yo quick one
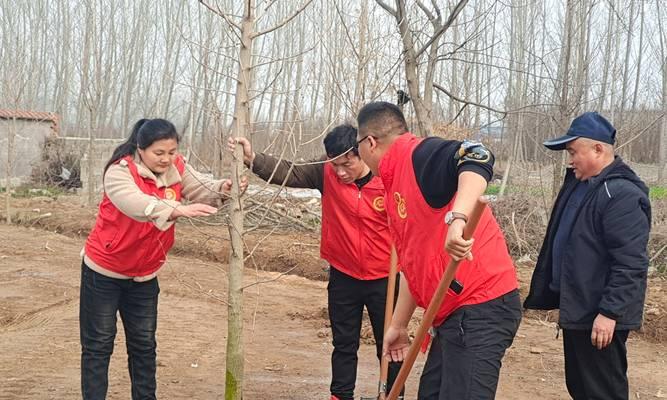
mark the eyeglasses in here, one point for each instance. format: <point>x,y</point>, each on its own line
<point>361,140</point>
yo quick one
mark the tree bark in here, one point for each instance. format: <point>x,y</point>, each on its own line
<point>240,128</point>
<point>662,139</point>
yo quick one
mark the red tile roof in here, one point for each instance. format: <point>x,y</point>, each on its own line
<point>39,116</point>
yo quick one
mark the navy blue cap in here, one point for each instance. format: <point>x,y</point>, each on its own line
<point>588,125</point>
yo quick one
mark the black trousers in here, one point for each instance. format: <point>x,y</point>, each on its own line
<point>466,353</point>
<point>592,374</point>
<point>101,299</point>
<point>347,297</point>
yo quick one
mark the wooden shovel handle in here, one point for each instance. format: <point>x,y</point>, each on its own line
<point>388,313</point>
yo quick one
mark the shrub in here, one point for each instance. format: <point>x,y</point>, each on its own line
<point>57,167</point>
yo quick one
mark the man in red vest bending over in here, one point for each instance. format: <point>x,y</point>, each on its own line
<point>431,187</point>
<point>355,242</point>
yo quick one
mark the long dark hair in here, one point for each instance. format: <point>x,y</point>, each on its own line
<point>144,133</point>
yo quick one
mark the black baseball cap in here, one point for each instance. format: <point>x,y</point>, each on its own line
<point>588,125</point>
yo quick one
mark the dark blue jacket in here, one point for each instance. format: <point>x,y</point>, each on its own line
<point>605,262</point>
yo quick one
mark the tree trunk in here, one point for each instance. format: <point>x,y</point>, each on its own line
<point>620,125</point>
<point>11,136</point>
<point>607,56</point>
<point>639,57</point>
<point>662,140</point>
<point>240,128</point>
<point>362,60</point>
<point>411,74</point>
<point>662,156</point>
<point>581,62</point>
<point>564,79</point>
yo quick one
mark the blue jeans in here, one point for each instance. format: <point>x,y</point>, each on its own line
<point>101,299</point>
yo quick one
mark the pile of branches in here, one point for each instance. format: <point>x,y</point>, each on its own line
<point>57,167</point>
<point>289,213</point>
<point>523,220</point>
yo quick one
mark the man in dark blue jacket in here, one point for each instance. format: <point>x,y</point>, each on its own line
<point>593,262</point>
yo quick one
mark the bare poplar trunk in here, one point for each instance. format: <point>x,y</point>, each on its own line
<point>11,136</point>
<point>662,156</point>
<point>639,57</point>
<point>564,79</point>
<point>240,127</point>
<point>581,61</point>
<point>607,56</point>
<point>411,76</point>
<point>620,125</point>
<point>362,60</point>
<point>662,139</point>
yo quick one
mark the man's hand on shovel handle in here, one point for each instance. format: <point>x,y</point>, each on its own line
<point>458,247</point>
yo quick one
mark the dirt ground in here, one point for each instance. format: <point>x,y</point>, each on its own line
<point>287,338</point>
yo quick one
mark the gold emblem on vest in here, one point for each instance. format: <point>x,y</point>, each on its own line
<point>400,205</point>
<point>169,194</point>
<point>378,204</point>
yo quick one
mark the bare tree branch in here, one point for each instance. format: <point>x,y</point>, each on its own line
<point>452,17</point>
<point>222,14</point>
<point>347,31</point>
<point>632,139</point>
<point>486,107</point>
<point>426,11</point>
<point>437,9</point>
<point>283,22</point>
<point>387,8</point>
<point>450,95</point>
<point>282,59</point>
<point>270,84</point>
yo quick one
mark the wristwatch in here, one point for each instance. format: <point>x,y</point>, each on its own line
<point>452,215</point>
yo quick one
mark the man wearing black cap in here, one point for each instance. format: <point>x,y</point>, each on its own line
<point>593,262</point>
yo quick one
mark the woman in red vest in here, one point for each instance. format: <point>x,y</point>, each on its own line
<point>144,183</point>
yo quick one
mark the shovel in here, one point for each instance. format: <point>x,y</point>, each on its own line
<point>388,313</point>
<point>434,305</point>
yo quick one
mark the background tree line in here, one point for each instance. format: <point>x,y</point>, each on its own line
<point>515,70</point>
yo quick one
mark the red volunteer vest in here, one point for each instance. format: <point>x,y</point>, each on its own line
<point>419,233</point>
<point>127,246</point>
<point>355,232</point>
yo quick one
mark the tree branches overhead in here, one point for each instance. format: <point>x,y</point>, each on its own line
<point>320,60</point>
